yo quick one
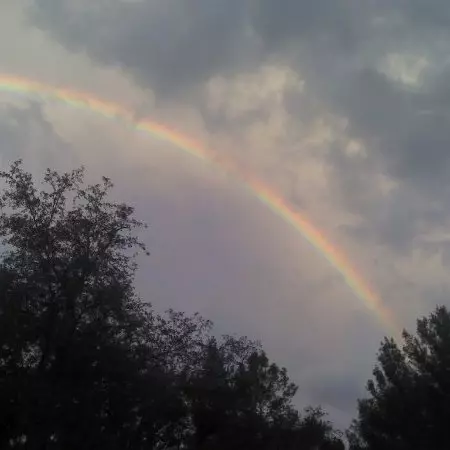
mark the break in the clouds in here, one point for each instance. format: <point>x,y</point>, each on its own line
<point>341,105</point>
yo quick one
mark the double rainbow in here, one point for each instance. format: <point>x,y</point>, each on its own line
<point>262,191</point>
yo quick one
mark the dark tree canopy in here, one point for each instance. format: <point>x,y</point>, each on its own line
<point>409,403</point>
<point>84,363</point>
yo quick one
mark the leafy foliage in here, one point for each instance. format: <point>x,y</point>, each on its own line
<point>409,405</point>
<point>85,363</point>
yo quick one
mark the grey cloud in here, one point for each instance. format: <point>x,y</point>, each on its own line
<point>338,46</point>
<point>435,13</point>
<point>350,24</point>
<point>175,45</point>
<point>338,23</point>
<point>26,133</point>
<point>407,129</point>
<point>167,43</point>
<point>407,135</point>
<point>394,219</point>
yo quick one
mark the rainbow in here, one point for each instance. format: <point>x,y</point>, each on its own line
<point>262,191</point>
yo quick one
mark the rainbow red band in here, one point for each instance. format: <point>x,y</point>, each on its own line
<point>263,192</point>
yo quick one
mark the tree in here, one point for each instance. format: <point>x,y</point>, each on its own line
<point>85,363</point>
<point>239,400</point>
<point>409,403</point>
<point>74,367</point>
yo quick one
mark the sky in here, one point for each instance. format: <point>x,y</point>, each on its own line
<point>341,106</point>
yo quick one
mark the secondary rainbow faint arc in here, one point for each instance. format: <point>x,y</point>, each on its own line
<point>266,194</point>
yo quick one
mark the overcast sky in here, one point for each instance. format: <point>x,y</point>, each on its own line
<point>341,105</point>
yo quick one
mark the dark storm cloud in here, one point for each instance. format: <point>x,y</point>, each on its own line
<point>434,13</point>
<point>335,22</point>
<point>167,43</point>
<point>408,130</point>
<point>351,25</point>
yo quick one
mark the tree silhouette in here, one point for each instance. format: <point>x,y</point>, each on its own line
<point>239,400</point>
<point>71,361</point>
<point>84,363</point>
<point>409,403</point>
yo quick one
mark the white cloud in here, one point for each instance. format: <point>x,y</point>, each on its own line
<point>408,69</point>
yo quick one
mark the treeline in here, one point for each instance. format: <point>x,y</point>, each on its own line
<point>86,364</point>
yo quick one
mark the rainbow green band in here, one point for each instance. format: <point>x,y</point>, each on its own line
<point>266,194</point>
